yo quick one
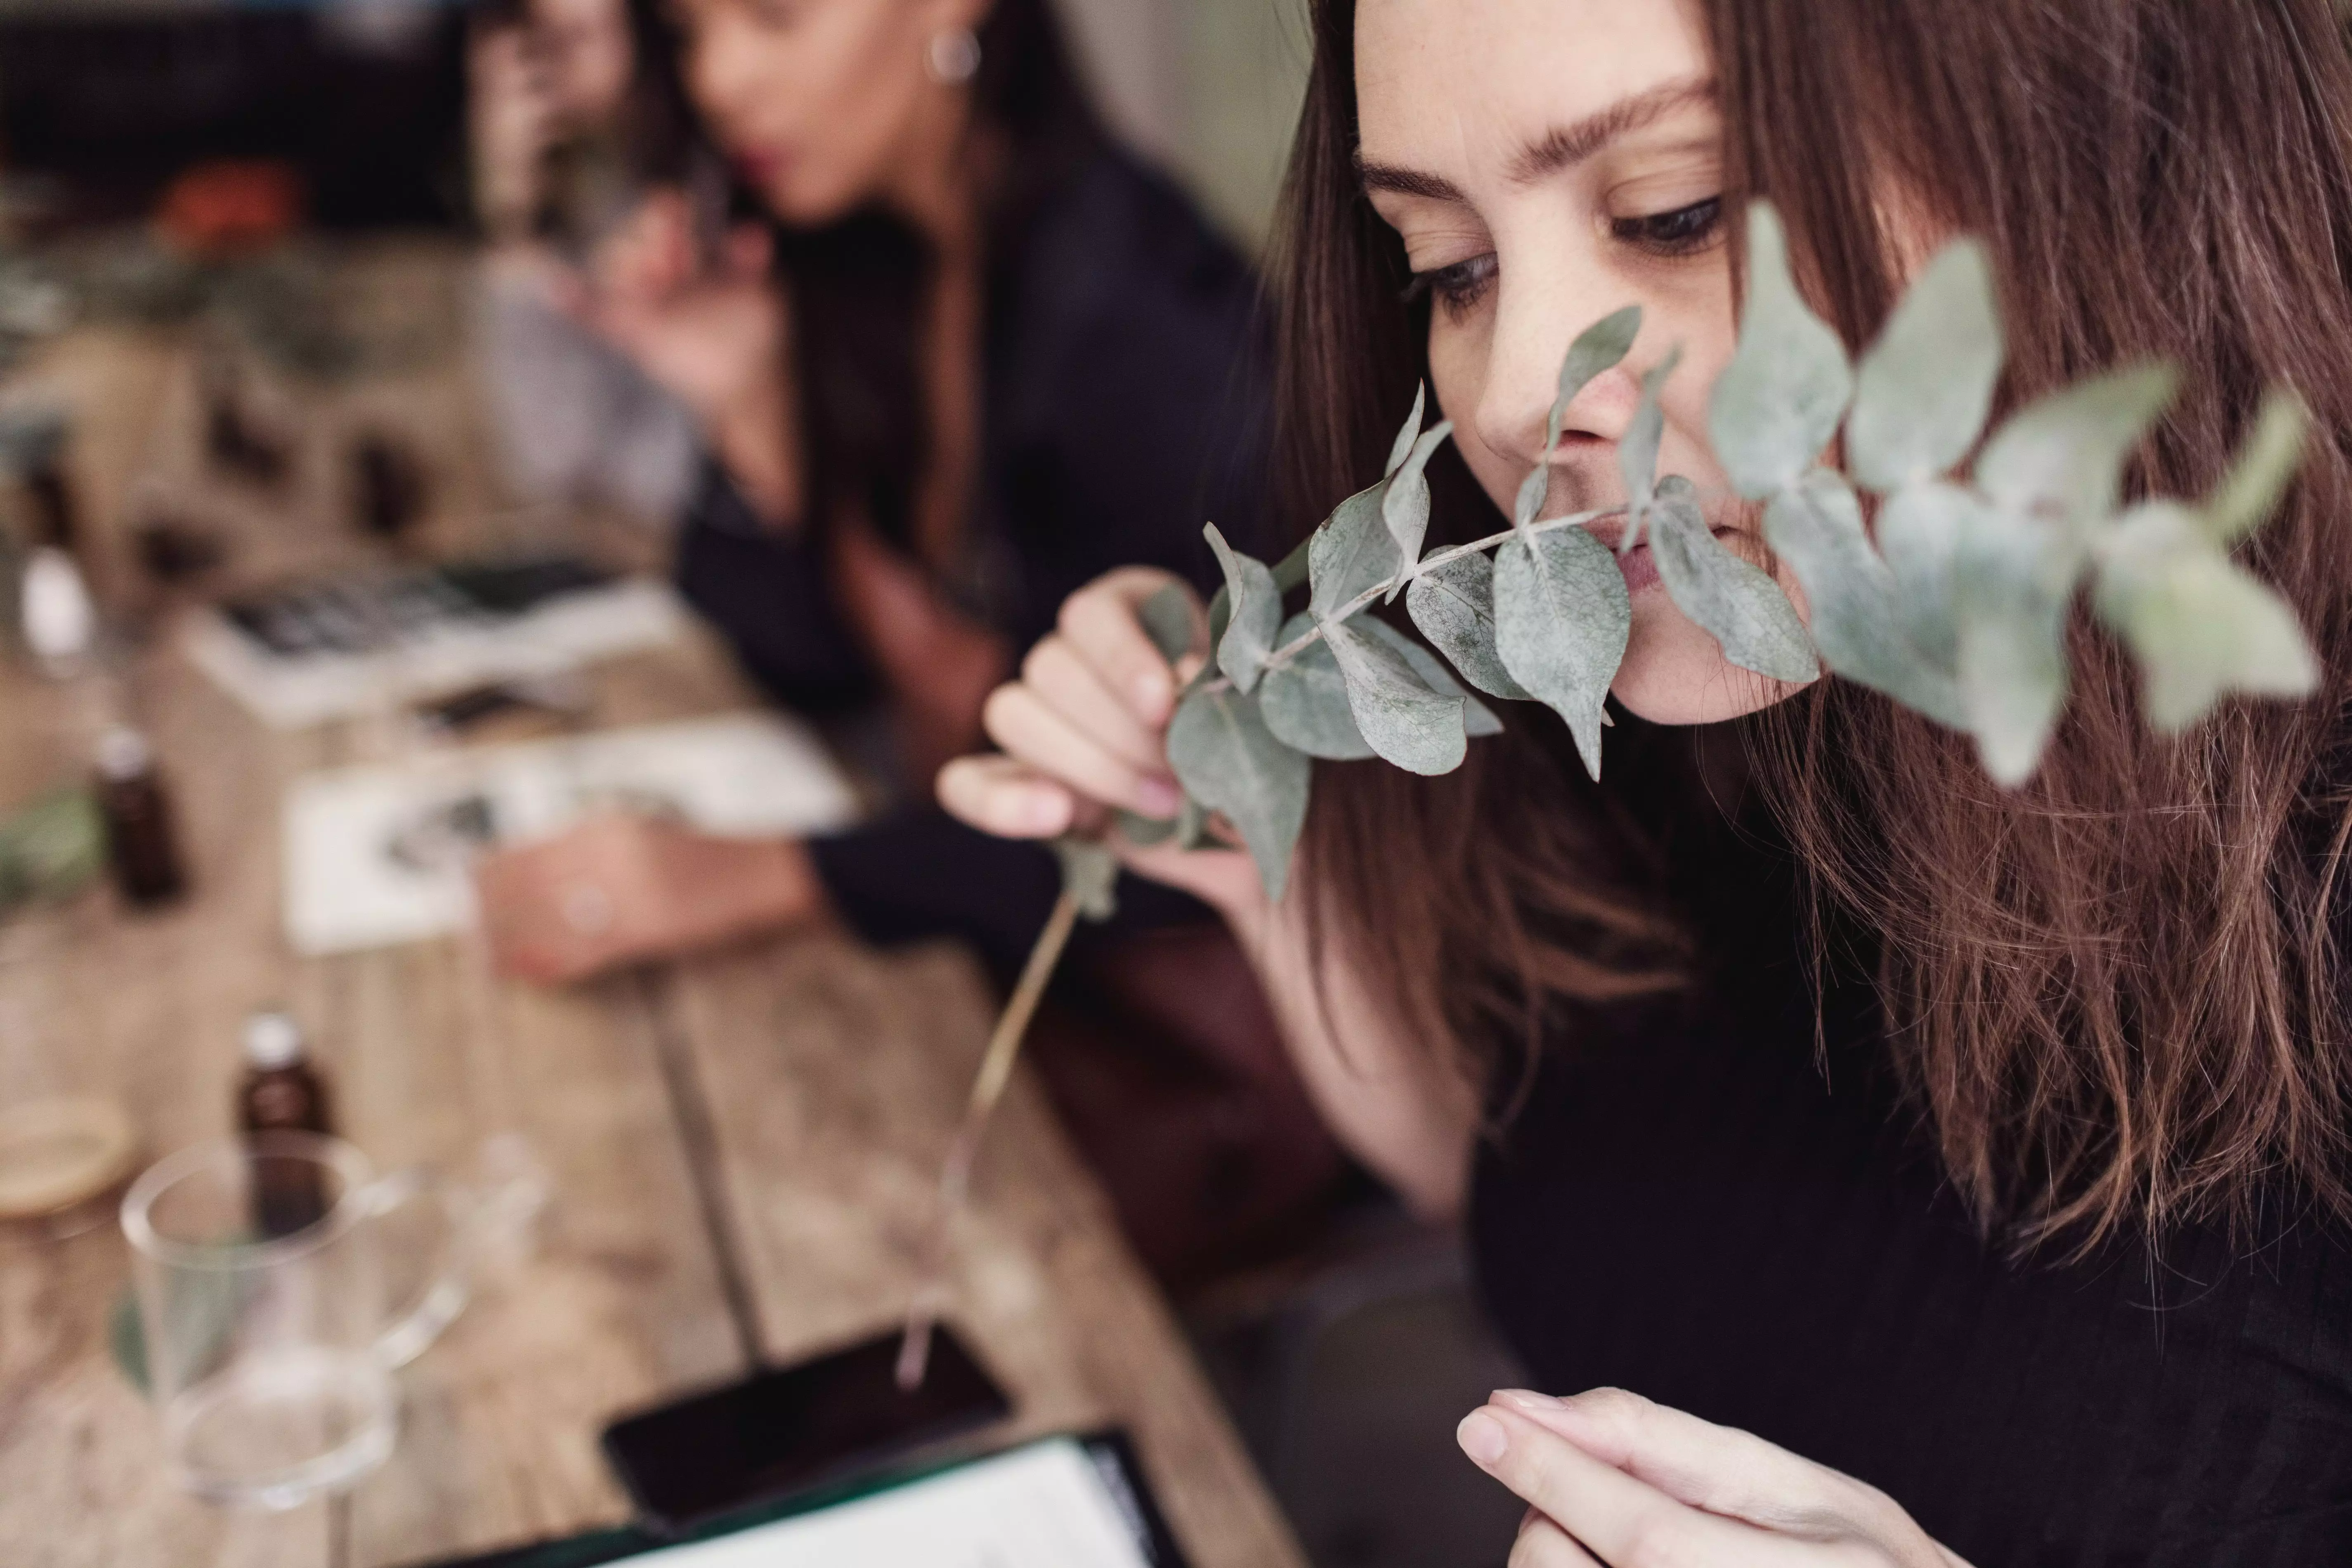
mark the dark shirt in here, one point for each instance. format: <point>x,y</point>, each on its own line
<point>1693,1204</point>
<point>1125,399</point>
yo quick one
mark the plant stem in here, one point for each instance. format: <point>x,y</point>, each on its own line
<point>1371,596</point>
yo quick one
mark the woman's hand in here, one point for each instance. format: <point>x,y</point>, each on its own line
<point>1611,1478</point>
<point>709,330</point>
<point>627,889</point>
<point>1084,732</point>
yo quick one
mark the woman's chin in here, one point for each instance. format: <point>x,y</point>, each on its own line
<point>1675,673</point>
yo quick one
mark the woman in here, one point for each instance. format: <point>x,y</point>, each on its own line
<point>1962,1172</point>
<point>963,356</point>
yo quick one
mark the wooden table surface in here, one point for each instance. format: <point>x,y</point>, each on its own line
<point>742,1147</point>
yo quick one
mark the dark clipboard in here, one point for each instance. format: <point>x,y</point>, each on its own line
<point>1112,1453</point>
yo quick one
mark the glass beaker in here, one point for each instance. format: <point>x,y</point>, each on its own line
<point>63,1146</point>
<point>270,1342</point>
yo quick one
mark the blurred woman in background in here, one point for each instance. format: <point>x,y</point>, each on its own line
<point>961,354</point>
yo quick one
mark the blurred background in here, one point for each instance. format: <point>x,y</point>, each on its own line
<point>312,413</point>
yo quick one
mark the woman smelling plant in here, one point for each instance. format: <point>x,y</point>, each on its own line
<point>1926,1083</point>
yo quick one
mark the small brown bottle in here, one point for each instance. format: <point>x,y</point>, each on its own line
<point>142,845</point>
<point>282,1093</point>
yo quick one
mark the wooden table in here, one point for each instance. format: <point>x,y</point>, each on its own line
<point>742,1148</point>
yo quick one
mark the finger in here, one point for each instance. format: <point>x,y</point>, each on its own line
<point>1007,798</point>
<point>1101,625</point>
<point>1720,1468</point>
<point>1018,721</point>
<point>1620,1519</point>
<point>1543,1544</point>
<point>1069,685</point>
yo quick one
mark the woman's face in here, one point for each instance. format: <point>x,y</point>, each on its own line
<point>824,105</point>
<point>585,46</point>
<point>1548,161</point>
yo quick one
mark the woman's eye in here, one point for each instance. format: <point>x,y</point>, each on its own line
<point>1458,287</point>
<point>1682,232</point>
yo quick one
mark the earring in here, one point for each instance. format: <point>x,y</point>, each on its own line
<point>954,56</point>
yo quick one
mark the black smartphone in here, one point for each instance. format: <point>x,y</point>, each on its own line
<point>795,1428</point>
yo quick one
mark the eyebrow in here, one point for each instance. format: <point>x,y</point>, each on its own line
<point>1562,147</point>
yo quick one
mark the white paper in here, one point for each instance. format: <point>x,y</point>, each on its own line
<point>371,861</point>
<point>1044,1506</point>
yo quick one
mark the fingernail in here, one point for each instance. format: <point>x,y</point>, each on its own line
<point>1483,1439</point>
<point>1158,797</point>
<point>1525,1398</point>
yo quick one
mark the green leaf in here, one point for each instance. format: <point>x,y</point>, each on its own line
<point>1920,533</point>
<point>51,849</point>
<point>1454,606</point>
<point>1855,614</point>
<point>1926,387</point>
<point>1192,826</point>
<point>1145,832</point>
<point>1304,700</point>
<point>2061,456</point>
<point>1601,346</point>
<point>1405,507</point>
<point>1779,401</point>
<point>2265,466</point>
<point>1561,620</point>
<point>1229,761</point>
<point>2013,578</point>
<point>1737,605</point>
<point>1353,554</point>
<point>1402,449</point>
<point>1090,874</point>
<point>1257,614</point>
<point>1168,621</point>
<point>2199,625</point>
<point>1637,453</point>
<point>1532,490</point>
<point>1290,571</point>
<point>1477,719</point>
<point>1399,714</point>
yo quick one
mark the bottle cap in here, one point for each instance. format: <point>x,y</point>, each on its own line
<point>124,753</point>
<point>272,1041</point>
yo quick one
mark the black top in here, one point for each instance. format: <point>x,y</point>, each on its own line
<point>1125,397</point>
<point>1691,1206</point>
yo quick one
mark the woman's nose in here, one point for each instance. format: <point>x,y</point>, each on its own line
<point>720,73</point>
<point>1531,338</point>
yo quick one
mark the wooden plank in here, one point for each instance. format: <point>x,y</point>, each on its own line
<point>833,1077</point>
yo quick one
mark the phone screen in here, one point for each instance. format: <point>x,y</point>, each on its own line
<point>780,1431</point>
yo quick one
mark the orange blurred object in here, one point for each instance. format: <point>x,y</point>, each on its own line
<point>228,208</point>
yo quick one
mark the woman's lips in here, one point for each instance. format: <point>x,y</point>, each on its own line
<point>758,168</point>
<point>1640,567</point>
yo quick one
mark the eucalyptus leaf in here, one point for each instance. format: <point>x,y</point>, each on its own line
<point>1168,622</point>
<point>1855,614</point>
<point>2265,466</point>
<point>1229,761</point>
<point>1255,616</point>
<point>1637,451</point>
<point>1454,606</point>
<point>2013,578</point>
<point>1290,571</point>
<point>1561,620</point>
<point>1736,603</point>
<point>1402,449</point>
<point>1601,347</point>
<point>1353,554</point>
<point>1532,490</point>
<point>1145,832</point>
<point>1923,392</point>
<point>1304,700</point>
<point>1477,719</point>
<point>1405,507</point>
<point>1192,826</point>
<point>1089,874</point>
<point>1920,531</point>
<point>2199,625</point>
<point>1405,721</point>
<point>2061,456</point>
<point>1779,401</point>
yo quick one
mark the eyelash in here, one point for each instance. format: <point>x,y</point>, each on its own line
<point>1685,231</point>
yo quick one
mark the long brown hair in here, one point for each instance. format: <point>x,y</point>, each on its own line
<point>2115,991</point>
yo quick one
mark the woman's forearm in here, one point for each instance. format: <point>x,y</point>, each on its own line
<point>1396,1103</point>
